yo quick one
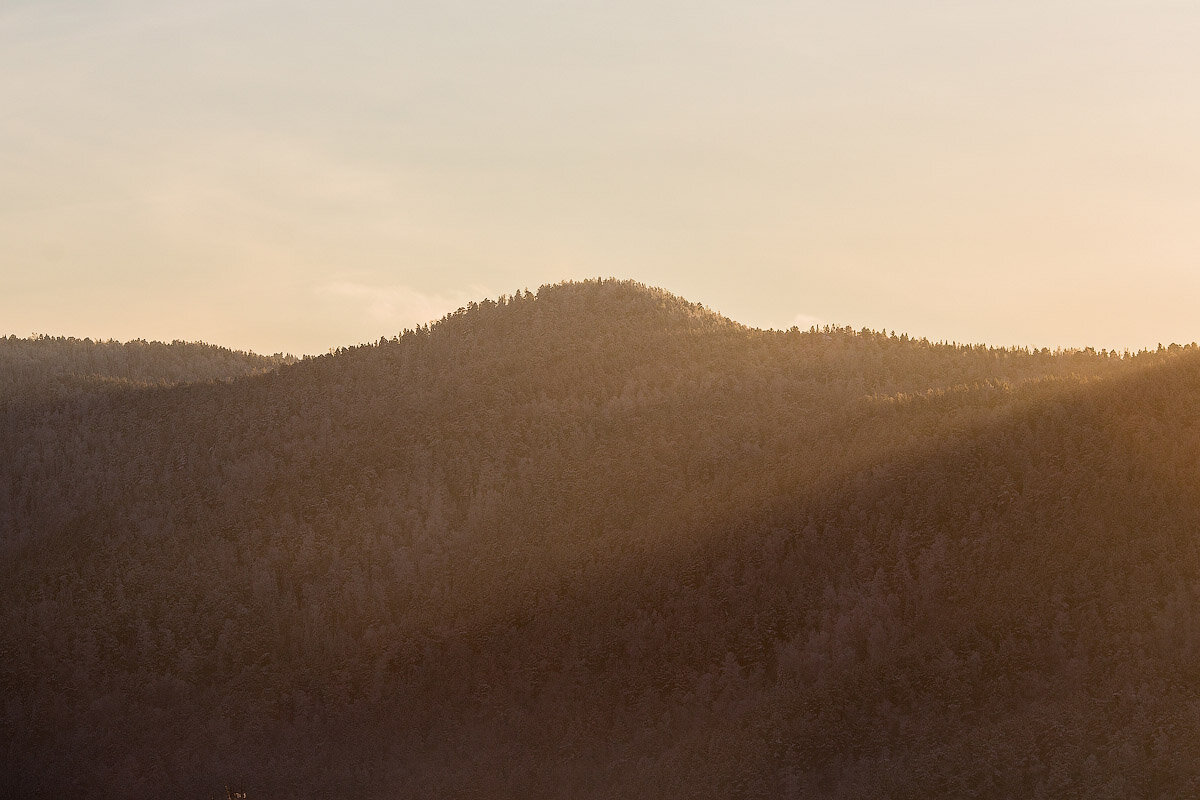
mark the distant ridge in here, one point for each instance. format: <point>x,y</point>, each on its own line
<point>57,366</point>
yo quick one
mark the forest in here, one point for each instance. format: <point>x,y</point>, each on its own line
<point>597,541</point>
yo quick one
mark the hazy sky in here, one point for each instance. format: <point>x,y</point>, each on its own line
<point>298,175</point>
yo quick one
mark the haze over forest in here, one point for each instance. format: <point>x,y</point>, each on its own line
<point>600,541</point>
<point>892,490</point>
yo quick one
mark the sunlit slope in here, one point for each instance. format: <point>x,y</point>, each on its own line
<point>602,540</point>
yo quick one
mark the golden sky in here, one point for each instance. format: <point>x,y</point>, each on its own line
<point>294,176</point>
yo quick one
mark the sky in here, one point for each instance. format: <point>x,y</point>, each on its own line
<point>295,176</point>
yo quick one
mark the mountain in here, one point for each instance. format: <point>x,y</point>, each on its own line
<point>600,541</point>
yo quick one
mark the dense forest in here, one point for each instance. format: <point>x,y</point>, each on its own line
<point>597,541</point>
<point>45,368</point>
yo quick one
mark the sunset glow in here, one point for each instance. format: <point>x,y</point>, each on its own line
<point>293,177</point>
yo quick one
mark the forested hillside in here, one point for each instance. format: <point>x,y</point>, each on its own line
<point>602,542</point>
<point>43,368</point>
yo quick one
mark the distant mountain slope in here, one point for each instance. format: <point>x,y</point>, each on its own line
<point>46,367</point>
<point>603,542</point>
